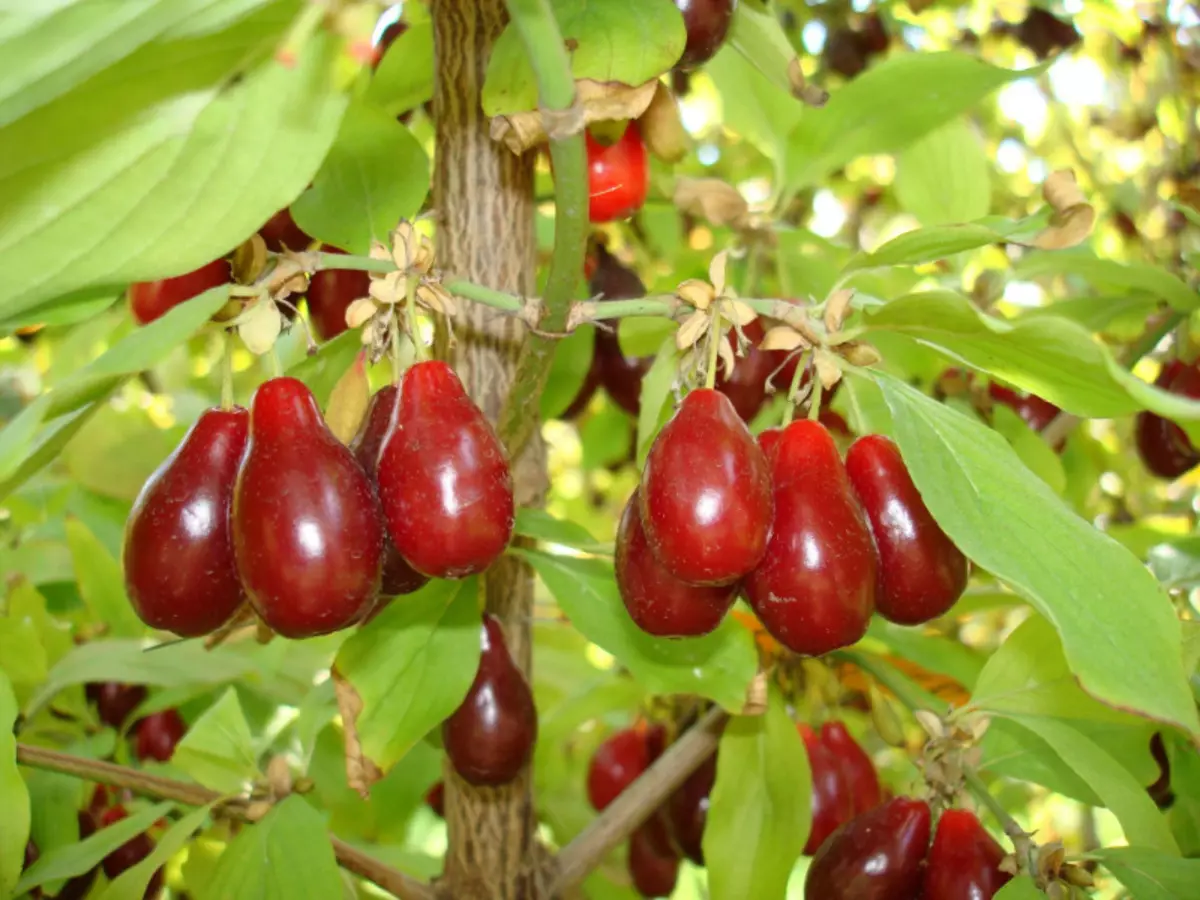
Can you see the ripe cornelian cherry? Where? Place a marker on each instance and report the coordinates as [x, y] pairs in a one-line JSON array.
[[746, 386], [490, 737], [921, 573], [1036, 412], [707, 23], [706, 493], [130, 853], [114, 701], [150, 299], [443, 478], [814, 590], [688, 810], [435, 799], [618, 176], [1163, 446], [659, 603], [857, 769], [621, 375], [178, 555], [768, 442], [280, 232], [832, 795], [653, 868], [398, 576], [330, 293], [964, 861], [874, 856], [307, 530], [615, 765], [157, 735]]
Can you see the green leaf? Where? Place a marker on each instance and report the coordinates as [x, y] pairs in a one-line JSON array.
[[719, 666], [1020, 888], [760, 811], [75, 859], [322, 370], [626, 41], [376, 174], [1119, 631], [1101, 313], [1150, 874], [101, 582], [404, 79], [932, 652], [753, 106], [874, 113], [286, 856], [607, 438], [26, 604], [1136, 278], [568, 371], [1038, 456], [643, 335], [759, 37], [45, 448], [945, 177], [132, 883], [656, 397], [541, 526], [924, 245], [218, 750], [14, 798], [412, 665], [1012, 750], [186, 159], [19, 433]]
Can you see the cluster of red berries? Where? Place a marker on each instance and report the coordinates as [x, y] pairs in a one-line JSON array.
[[844, 780], [1034, 411], [848, 51], [814, 544], [268, 505], [885, 852], [1163, 446]]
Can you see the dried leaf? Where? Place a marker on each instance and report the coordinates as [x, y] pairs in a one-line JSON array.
[[783, 337], [405, 245], [716, 272], [737, 312], [600, 102], [1073, 217], [696, 293], [249, 259], [728, 360], [361, 773], [711, 199], [379, 250], [359, 312], [436, 298], [836, 308], [859, 353], [756, 695], [662, 128], [930, 722], [692, 329], [828, 369], [389, 290], [279, 776], [806, 93], [259, 326], [348, 400]]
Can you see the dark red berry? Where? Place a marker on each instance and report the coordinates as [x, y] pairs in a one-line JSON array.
[[964, 861], [653, 871], [1163, 446], [490, 737], [330, 293], [814, 590], [615, 765], [157, 735], [618, 176], [621, 375], [114, 701], [130, 853], [444, 479], [832, 795], [874, 856], [148, 300], [306, 524], [872, 35], [921, 573], [435, 799], [707, 23], [282, 233], [746, 386], [179, 564], [688, 808], [1044, 33], [389, 36], [843, 53], [858, 770]]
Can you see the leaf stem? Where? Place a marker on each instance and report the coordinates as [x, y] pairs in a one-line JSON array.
[[227, 372], [414, 328], [789, 408], [814, 402]]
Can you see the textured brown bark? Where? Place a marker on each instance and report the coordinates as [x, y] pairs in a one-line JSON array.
[[483, 196]]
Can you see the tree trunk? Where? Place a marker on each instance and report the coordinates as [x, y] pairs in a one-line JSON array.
[[483, 198]]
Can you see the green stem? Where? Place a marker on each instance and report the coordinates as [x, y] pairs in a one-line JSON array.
[[276, 365], [414, 328], [714, 346], [789, 408], [814, 402], [227, 372], [395, 347], [1151, 338], [355, 263], [485, 295], [910, 693], [984, 796], [617, 309]]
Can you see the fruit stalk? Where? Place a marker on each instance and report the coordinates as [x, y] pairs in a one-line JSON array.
[[714, 346], [789, 408], [227, 372]]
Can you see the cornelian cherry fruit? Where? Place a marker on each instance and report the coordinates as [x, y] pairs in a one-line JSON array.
[[148, 300], [964, 861], [706, 493], [688, 809], [444, 479], [874, 856], [330, 293], [130, 853], [115, 702], [746, 386], [618, 176], [435, 799], [1163, 446], [921, 573], [832, 797], [653, 868], [157, 735], [178, 554], [617, 763], [814, 589], [707, 23], [282, 233], [307, 530], [858, 771], [659, 603], [620, 375], [490, 737]]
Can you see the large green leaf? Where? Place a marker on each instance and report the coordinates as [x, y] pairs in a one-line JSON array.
[[719, 665], [14, 798], [568, 371], [160, 166], [412, 665], [540, 525], [1135, 278], [753, 106], [404, 78], [1012, 750], [656, 397], [944, 177], [924, 245], [1119, 631], [760, 810], [132, 883], [218, 750], [101, 582], [1150, 874]]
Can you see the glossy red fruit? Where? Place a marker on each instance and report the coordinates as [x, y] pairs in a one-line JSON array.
[[858, 771], [130, 853], [490, 737], [150, 299], [659, 603], [921, 573], [78, 887], [706, 493], [964, 861], [875, 856], [688, 809], [653, 869], [444, 479], [178, 555], [1036, 412], [615, 765], [707, 23], [114, 701], [377, 426], [620, 375], [307, 530], [835, 422], [618, 176], [768, 442], [832, 796], [814, 590], [1163, 446], [330, 293], [746, 387], [158, 734], [435, 799], [282, 233]]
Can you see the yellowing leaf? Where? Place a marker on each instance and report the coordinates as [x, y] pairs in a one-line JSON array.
[[348, 401]]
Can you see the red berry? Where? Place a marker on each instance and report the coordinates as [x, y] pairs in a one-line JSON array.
[[707, 23], [746, 387], [659, 603], [1033, 410], [615, 765], [178, 557], [444, 479], [653, 869], [857, 768], [814, 590], [306, 524], [378, 424], [688, 809], [921, 573], [834, 422], [964, 861], [618, 176], [706, 493], [1163, 446], [621, 375], [872, 35], [150, 299], [130, 853], [875, 856], [832, 794], [435, 799], [282, 233], [768, 442], [114, 701], [157, 735], [330, 293], [490, 737]]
